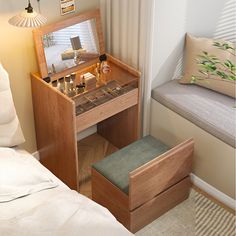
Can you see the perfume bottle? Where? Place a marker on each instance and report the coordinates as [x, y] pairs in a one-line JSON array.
[[54, 83], [104, 68], [61, 85], [67, 85], [80, 88], [72, 80], [98, 72], [72, 89]]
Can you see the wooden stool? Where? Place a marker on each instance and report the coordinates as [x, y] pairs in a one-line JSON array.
[[143, 180]]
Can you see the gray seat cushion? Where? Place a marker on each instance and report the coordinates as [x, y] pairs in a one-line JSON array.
[[116, 167], [212, 111]]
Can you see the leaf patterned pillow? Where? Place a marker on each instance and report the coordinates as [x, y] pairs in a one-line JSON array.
[[210, 63]]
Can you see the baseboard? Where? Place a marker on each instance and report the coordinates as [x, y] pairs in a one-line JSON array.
[[36, 155], [87, 132], [218, 195]]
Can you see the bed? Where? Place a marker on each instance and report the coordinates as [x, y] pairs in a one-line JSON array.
[[32, 200], [44, 205]]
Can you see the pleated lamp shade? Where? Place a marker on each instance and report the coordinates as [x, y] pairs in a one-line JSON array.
[[28, 19]]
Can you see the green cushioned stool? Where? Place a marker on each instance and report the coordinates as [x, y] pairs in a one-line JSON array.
[[117, 166], [134, 181]]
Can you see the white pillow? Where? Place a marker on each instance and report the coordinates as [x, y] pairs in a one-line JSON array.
[[20, 175], [10, 130]]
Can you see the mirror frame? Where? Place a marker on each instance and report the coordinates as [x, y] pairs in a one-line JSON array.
[[39, 48]]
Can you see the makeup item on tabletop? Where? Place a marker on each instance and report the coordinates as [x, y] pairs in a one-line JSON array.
[[98, 72], [104, 68], [47, 79], [67, 85], [61, 85], [73, 76], [80, 88], [54, 84], [90, 81], [82, 80], [73, 83]]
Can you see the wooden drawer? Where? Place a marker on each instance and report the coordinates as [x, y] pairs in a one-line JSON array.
[[106, 110]]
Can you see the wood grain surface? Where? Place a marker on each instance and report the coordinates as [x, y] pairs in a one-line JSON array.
[[54, 116], [159, 174], [46, 29], [90, 150]]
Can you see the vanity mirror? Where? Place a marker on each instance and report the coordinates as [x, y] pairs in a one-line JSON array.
[[68, 45], [88, 87]]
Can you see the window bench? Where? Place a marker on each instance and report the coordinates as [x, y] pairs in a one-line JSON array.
[[182, 111]]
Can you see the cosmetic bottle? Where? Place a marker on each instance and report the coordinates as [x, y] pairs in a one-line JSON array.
[[67, 85], [105, 68], [47, 79], [72, 80], [61, 85], [80, 88], [54, 83], [72, 89], [98, 72]]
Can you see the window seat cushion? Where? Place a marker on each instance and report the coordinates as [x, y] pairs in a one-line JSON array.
[[117, 166], [211, 111]]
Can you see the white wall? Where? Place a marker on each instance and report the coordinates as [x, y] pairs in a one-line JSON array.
[[18, 56], [203, 18], [206, 18]]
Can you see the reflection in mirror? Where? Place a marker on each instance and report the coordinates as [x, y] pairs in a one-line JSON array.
[[71, 46]]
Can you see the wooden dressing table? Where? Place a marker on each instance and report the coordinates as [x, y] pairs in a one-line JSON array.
[[57, 121]]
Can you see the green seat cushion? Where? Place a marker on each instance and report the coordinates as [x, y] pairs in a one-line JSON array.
[[117, 166]]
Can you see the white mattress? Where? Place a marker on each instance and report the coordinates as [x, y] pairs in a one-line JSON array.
[[56, 211]]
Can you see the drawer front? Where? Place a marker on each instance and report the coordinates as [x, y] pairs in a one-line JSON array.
[[106, 110], [159, 174]]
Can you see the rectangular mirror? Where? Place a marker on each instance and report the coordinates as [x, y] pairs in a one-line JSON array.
[[68, 45]]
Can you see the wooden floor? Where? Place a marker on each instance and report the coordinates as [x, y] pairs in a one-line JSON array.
[[91, 150]]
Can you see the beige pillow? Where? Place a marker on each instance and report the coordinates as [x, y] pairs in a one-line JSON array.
[[10, 130], [197, 66]]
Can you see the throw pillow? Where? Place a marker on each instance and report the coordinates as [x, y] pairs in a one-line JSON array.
[[210, 63]]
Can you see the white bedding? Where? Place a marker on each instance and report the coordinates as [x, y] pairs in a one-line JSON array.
[[56, 211], [20, 175]]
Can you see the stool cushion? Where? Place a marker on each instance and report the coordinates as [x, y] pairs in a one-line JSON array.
[[117, 166]]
